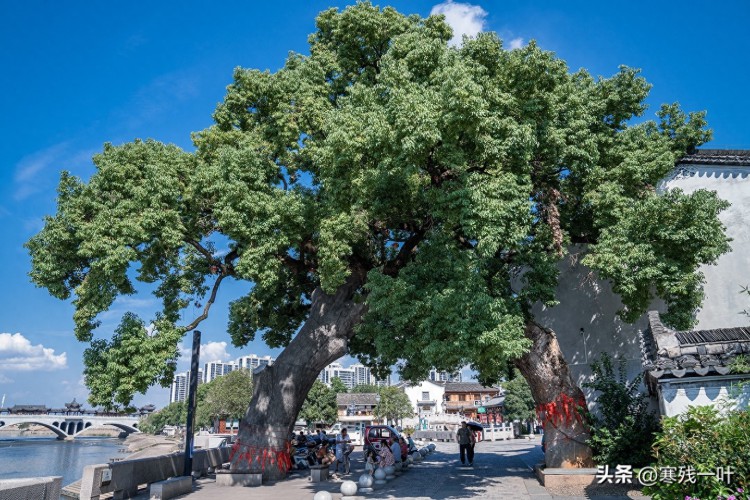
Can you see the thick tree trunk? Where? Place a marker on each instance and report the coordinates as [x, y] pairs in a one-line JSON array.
[[279, 390], [560, 403]]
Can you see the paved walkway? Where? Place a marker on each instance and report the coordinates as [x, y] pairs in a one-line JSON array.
[[502, 469]]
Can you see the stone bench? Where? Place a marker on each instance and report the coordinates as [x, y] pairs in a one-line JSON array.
[[319, 473], [170, 488], [227, 478]]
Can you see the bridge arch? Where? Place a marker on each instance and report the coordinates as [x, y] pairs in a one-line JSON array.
[[58, 432], [130, 429]]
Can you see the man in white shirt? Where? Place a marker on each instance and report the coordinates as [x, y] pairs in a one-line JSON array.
[[343, 450]]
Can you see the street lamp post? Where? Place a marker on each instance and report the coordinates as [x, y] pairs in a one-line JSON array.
[[192, 393]]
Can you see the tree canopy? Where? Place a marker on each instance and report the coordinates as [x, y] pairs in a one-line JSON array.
[[394, 404], [447, 182], [320, 405], [172, 414], [227, 397]]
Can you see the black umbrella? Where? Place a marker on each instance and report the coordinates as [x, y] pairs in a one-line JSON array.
[[474, 426]]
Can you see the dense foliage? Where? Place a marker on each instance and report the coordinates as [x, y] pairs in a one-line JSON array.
[[704, 440], [320, 405], [174, 414], [226, 398], [394, 404], [338, 386], [518, 403], [438, 172], [623, 428]]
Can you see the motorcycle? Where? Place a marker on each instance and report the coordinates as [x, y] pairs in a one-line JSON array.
[[305, 454]]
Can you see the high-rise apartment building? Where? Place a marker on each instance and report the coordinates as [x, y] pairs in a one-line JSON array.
[[216, 369], [351, 376], [437, 376], [212, 370], [252, 362], [180, 383]]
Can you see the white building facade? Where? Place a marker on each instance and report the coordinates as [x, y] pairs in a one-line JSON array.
[[426, 399]]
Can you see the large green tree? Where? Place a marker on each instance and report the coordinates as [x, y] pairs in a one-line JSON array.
[[390, 196]]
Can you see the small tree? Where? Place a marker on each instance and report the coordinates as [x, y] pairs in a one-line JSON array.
[[320, 405], [519, 402], [227, 397], [623, 430], [393, 405], [338, 386], [365, 389]]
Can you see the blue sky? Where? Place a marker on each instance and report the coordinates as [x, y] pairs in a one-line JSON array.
[[74, 75]]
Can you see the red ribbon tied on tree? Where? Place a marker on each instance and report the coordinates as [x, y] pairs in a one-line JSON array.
[[263, 455]]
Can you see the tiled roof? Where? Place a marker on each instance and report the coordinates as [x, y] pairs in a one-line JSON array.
[[357, 398], [729, 157], [496, 401], [672, 353], [468, 387], [741, 334]]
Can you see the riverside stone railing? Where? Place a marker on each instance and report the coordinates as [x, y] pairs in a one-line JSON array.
[[493, 433], [124, 478]]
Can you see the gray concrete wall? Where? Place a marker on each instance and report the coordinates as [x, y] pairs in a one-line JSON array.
[[123, 478], [586, 320], [37, 488]]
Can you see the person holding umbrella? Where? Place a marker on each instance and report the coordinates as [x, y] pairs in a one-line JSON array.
[[465, 440]]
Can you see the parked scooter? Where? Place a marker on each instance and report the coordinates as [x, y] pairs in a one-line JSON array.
[[304, 453]]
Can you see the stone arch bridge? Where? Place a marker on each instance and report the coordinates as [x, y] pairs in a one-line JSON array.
[[69, 426]]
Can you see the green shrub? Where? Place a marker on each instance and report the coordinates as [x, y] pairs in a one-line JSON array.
[[623, 430], [704, 439]]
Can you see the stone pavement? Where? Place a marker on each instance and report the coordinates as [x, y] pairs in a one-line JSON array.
[[502, 469]]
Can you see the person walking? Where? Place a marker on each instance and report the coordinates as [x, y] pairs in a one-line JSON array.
[[343, 450], [465, 440]]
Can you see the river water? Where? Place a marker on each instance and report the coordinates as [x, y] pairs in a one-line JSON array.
[[35, 457]]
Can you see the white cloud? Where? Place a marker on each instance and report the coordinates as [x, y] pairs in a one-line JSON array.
[[159, 97], [5, 380], [464, 18], [516, 43], [213, 351], [135, 303], [18, 354], [33, 171]]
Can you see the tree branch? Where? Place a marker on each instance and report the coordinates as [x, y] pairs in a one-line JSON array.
[[201, 249], [208, 305], [393, 266]]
